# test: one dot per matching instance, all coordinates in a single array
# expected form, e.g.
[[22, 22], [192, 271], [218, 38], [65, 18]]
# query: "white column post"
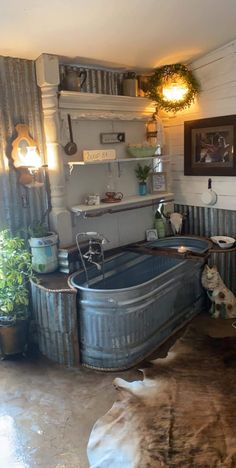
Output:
[[47, 71]]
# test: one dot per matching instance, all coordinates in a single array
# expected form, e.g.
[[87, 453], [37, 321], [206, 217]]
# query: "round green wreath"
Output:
[[157, 80]]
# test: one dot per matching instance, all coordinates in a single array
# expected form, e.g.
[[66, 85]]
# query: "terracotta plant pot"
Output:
[[13, 336]]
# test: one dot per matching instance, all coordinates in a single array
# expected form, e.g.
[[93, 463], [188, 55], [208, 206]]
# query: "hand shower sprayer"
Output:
[[95, 252]]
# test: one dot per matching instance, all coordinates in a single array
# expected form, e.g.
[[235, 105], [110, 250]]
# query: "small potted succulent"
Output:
[[44, 249], [142, 173], [15, 274]]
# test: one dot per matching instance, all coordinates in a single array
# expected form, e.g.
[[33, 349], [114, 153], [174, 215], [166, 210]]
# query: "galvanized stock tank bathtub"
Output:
[[140, 302]]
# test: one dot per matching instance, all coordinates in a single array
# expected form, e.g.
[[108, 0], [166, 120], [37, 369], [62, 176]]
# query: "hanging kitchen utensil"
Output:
[[71, 147], [209, 197]]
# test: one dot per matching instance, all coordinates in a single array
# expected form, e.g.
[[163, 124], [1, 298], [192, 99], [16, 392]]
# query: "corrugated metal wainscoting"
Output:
[[203, 221], [20, 103], [55, 316]]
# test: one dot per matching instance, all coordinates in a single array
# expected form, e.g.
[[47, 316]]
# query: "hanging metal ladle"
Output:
[[71, 147]]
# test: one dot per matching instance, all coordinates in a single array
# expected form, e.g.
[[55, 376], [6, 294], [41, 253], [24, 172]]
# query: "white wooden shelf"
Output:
[[111, 161], [92, 106], [136, 201], [162, 157]]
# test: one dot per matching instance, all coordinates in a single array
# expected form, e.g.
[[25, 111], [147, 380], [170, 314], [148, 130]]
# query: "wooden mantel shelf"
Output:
[[92, 106]]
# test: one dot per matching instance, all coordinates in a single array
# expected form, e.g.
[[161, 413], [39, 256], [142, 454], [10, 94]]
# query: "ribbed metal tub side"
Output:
[[55, 316], [118, 328]]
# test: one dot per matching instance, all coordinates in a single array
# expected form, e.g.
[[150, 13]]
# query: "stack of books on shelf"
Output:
[[68, 259]]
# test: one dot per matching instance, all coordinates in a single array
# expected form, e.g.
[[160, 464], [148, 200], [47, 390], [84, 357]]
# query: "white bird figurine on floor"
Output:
[[176, 221]]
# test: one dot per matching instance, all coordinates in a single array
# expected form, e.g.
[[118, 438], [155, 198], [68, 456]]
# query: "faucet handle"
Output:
[[98, 236], [93, 235]]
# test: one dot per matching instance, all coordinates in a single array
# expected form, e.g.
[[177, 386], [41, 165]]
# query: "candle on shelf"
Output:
[[182, 249]]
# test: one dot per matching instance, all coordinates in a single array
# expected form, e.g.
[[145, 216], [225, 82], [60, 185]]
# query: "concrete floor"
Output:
[[47, 411]]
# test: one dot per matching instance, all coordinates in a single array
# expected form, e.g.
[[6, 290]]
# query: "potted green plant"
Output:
[[44, 249], [142, 173], [15, 274]]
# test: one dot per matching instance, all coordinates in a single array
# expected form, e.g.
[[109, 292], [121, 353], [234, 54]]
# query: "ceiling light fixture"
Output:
[[174, 91], [172, 87]]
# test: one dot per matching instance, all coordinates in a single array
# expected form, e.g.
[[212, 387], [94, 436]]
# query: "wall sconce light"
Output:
[[26, 157], [172, 87]]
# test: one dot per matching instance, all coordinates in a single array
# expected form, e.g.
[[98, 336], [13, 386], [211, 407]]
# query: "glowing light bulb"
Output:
[[33, 158], [29, 157], [182, 249], [174, 92]]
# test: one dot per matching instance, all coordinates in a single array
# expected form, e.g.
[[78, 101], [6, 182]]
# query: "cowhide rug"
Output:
[[183, 413]]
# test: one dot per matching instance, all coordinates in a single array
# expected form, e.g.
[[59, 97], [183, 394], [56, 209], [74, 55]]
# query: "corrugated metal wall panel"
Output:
[[55, 316], [20, 103], [208, 222]]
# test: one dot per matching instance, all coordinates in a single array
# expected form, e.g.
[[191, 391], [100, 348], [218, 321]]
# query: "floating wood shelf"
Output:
[[127, 203], [156, 159], [111, 161]]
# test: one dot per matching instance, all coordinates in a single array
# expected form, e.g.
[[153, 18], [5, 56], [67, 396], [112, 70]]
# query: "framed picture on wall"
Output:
[[209, 146], [158, 182]]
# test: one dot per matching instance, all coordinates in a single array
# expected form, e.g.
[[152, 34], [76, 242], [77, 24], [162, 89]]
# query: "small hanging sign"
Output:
[[99, 155], [113, 137]]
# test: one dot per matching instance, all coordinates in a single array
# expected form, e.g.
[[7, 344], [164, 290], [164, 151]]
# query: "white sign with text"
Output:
[[99, 155]]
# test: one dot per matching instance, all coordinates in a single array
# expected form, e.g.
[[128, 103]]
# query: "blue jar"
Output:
[[142, 189]]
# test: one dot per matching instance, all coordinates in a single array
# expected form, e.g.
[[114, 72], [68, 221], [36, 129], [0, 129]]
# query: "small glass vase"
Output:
[[159, 225], [142, 188]]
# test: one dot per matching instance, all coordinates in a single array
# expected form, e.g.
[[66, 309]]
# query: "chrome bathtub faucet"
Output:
[[95, 253]]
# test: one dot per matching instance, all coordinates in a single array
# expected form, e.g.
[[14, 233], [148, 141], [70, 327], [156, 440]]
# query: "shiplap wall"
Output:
[[217, 74], [120, 228]]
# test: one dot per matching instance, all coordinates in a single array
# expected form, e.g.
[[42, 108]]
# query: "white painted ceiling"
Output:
[[137, 33]]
